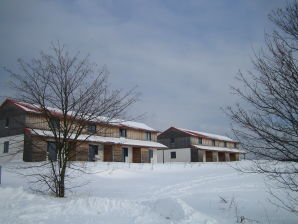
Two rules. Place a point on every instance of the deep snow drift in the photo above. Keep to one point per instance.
(206, 193)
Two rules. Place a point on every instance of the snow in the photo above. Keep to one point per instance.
(101, 139)
(221, 149)
(137, 125)
(145, 193)
(213, 136)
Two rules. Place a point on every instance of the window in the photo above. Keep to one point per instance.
(122, 132)
(7, 122)
(54, 123)
(235, 145)
(92, 129)
(148, 136)
(213, 142)
(93, 151)
(172, 140)
(96, 150)
(173, 155)
(200, 141)
(225, 144)
(6, 147)
(150, 153)
(52, 151)
(124, 154)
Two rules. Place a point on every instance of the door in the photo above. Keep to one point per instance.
(232, 157)
(108, 153)
(136, 155)
(209, 156)
(221, 157)
(194, 156)
(52, 151)
(124, 154)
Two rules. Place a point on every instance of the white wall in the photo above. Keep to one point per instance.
(182, 155)
(155, 156)
(15, 150)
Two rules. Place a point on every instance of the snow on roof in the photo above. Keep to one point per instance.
(205, 134)
(138, 125)
(101, 139)
(118, 122)
(220, 149)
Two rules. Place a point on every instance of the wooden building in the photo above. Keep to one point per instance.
(193, 146)
(25, 135)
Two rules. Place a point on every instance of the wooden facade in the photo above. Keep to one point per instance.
(204, 147)
(112, 150)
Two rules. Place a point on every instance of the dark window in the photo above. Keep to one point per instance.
(6, 147)
(150, 153)
(122, 132)
(92, 129)
(235, 145)
(148, 136)
(96, 150)
(7, 122)
(172, 140)
(200, 141)
(124, 154)
(225, 144)
(52, 151)
(54, 123)
(93, 150)
(213, 142)
(173, 155)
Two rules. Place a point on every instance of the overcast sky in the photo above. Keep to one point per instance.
(182, 54)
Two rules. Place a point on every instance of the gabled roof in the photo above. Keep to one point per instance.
(202, 134)
(56, 112)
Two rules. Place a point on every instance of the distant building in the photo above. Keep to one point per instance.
(25, 135)
(193, 146)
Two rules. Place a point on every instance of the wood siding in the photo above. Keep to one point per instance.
(183, 140)
(16, 120)
(36, 121)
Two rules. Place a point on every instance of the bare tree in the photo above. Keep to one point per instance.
(266, 123)
(70, 92)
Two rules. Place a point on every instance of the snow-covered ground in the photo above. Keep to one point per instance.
(197, 193)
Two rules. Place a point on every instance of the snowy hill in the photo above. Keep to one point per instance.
(206, 193)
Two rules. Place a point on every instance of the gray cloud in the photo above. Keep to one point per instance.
(183, 56)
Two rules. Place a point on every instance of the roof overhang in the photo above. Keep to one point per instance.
(100, 139)
(218, 149)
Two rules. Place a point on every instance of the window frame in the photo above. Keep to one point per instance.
(54, 123)
(7, 121)
(91, 130)
(6, 147)
(122, 132)
(225, 144)
(172, 140)
(49, 144)
(213, 142)
(173, 155)
(148, 135)
(151, 153)
(200, 140)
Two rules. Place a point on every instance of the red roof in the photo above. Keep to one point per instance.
(35, 109)
(205, 135)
